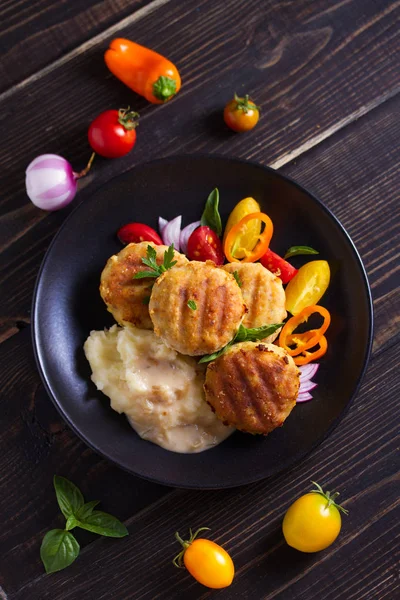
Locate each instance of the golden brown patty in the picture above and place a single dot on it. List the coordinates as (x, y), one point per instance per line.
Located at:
(253, 386)
(214, 321)
(127, 298)
(263, 295)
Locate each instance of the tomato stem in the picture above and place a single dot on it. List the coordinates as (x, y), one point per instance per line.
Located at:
(128, 118)
(245, 104)
(178, 560)
(330, 498)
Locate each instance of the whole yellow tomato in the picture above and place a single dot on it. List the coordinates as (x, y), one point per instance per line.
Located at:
(206, 561)
(308, 286)
(249, 238)
(313, 522)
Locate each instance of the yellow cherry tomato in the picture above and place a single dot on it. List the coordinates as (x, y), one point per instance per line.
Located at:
(313, 522)
(308, 286)
(206, 561)
(249, 238)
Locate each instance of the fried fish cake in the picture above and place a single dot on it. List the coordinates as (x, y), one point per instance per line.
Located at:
(252, 386)
(127, 298)
(196, 308)
(263, 295)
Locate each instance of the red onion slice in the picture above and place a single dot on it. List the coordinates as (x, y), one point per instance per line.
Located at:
(161, 224)
(186, 233)
(304, 397)
(307, 386)
(308, 371)
(171, 232)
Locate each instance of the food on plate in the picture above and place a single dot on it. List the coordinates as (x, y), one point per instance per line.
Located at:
(127, 297)
(235, 241)
(253, 386)
(218, 314)
(144, 71)
(205, 560)
(279, 266)
(113, 133)
(299, 251)
(263, 295)
(307, 372)
(211, 217)
(204, 244)
(302, 346)
(241, 114)
(134, 233)
(308, 286)
(160, 391)
(313, 522)
(251, 230)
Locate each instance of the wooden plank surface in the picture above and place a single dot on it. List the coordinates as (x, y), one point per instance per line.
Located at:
(304, 91)
(327, 76)
(35, 34)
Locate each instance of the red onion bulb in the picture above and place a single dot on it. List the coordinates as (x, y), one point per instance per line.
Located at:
(50, 182)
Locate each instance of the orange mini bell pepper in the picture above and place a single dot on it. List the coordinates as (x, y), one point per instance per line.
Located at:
(305, 357)
(239, 230)
(309, 339)
(143, 70)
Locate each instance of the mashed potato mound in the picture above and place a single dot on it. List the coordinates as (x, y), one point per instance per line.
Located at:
(159, 390)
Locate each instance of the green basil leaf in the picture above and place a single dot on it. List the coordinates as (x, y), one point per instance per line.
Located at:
(69, 497)
(71, 523)
(58, 550)
(299, 250)
(104, 524)
(211, 217)
(256, 333)
(86, 510)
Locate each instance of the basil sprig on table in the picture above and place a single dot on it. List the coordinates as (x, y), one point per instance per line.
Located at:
(244, 335)
(59, 547)
(211, 217)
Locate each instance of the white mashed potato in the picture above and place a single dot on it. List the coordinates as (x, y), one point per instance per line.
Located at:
(159, 390)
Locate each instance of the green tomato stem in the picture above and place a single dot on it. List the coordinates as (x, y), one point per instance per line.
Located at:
(330, 498)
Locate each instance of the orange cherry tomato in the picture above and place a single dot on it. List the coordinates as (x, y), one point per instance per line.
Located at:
(241, 114)
(205, 560)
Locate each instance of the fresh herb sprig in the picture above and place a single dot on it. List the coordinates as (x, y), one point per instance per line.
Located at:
(151, 261)
(237, 278)
(244, 335)
(59, 547)
(192, 304)
(211, 217)
(299, 251)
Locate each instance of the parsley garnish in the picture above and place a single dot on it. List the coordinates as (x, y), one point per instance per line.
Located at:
(244, 335)
(192, 304)
(151, 262)
(236, 276)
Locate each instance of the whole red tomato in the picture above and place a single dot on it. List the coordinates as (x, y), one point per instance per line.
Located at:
(133, 233)
(204, 244)
(112, 134)
(241, 114)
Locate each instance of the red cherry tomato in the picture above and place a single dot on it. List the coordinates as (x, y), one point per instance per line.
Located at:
(204, 244)
(278, 266)
(133, 233)
(112, 134)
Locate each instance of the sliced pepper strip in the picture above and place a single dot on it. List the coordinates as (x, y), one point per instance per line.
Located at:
(309, 339)
(264, 238)
(305, 357)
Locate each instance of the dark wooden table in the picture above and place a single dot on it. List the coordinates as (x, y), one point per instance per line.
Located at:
(326, 73)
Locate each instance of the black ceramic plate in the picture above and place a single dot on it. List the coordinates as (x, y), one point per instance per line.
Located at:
(67, 306)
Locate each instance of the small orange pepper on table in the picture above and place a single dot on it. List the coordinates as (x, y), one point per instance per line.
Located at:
(144, 71)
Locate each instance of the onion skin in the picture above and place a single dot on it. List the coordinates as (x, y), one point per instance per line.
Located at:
(50, 182)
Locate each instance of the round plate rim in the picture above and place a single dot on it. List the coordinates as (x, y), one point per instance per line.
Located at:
(289, 462)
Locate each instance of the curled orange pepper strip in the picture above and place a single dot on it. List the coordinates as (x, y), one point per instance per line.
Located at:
(306, 357)
(264, 238)
(307, 340)
(144, 71)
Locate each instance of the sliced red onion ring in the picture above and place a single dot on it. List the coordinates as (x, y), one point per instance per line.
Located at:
(171, 232)
(304, 397)
(308, 371)
(186, 233)
(161, 224)
(307, 386)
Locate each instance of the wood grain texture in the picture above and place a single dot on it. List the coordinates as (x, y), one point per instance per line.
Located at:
(34, 34)
(247, 522)
(36, 444)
